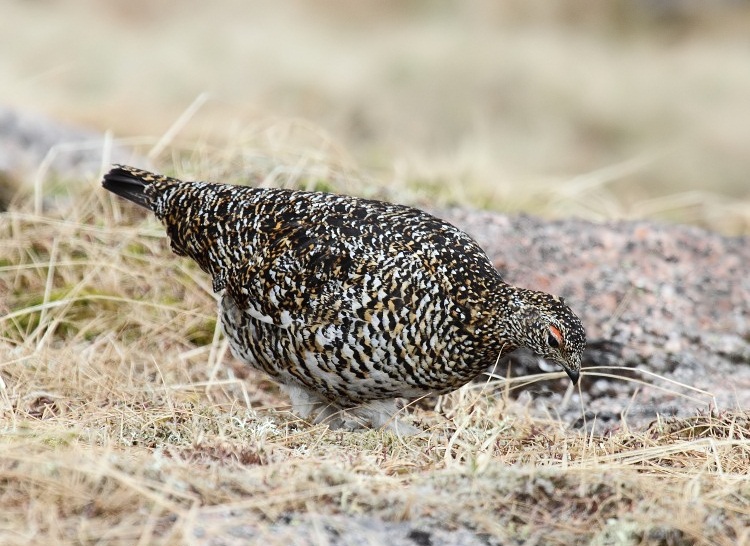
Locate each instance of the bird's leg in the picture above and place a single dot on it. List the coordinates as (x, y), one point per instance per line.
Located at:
(334, 417)
(304, 401)
(382, 414)
(376, 413)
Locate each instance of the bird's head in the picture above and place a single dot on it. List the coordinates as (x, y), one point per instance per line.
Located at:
(548, 327)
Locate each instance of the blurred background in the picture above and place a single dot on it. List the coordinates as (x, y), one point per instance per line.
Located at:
(618, 109)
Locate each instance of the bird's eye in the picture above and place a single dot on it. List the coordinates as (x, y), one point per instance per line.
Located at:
(554, 337)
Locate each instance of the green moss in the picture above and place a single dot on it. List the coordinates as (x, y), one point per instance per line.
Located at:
(322, 184)
(135, 248)
(81, 313)
(202, 333)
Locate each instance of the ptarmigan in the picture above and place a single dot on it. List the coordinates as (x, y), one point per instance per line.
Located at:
(351, 303)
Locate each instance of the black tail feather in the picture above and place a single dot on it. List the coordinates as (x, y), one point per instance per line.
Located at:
(129, 183)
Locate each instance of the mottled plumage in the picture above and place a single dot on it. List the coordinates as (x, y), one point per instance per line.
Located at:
(350, 303)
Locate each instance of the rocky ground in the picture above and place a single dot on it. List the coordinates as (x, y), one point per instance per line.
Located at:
(33, 145)
(671, 300)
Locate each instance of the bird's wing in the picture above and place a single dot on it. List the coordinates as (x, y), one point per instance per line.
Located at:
(309, 276)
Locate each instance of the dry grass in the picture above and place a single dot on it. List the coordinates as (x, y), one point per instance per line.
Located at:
(126, 421)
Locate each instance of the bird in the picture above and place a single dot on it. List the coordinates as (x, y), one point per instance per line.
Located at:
(350, 304)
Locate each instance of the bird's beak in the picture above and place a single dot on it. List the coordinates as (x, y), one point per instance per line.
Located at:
(572, 367)
(573, 374)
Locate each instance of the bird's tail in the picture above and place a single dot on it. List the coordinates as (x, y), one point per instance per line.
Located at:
(131, 183)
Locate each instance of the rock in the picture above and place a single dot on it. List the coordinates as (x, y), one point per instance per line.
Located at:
(33, 145)
(225, 529)
(670, 300)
